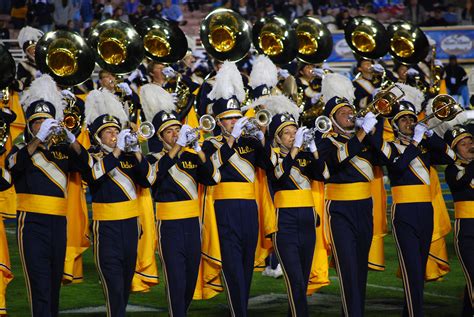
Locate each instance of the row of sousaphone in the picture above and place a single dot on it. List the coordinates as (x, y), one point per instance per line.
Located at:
(119, 47)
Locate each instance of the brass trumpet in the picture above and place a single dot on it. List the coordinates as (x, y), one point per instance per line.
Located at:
(322, 124)
(207, 123)
(145, 131)
(262, 118)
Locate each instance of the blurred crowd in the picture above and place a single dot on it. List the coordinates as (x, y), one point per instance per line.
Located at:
(80, 15)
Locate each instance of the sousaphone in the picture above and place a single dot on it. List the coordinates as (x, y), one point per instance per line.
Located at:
(274, 37)
(117, 46)
(314, 40)
(163, 42)
(225, 35)
(366, 37)
(408, 44)
(65, 56)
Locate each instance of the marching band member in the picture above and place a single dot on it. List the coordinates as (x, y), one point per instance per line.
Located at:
(128, 98)
(117, 170)
(40, 174)
(6, 274)
(27, 70)
(349, 206)
(309, 84)
(409, 158)
(290, 179)
(460, 178)
(175, 177)
(234, 159)
(366, 82)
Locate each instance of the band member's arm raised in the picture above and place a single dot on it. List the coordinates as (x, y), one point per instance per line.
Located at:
(459, 179)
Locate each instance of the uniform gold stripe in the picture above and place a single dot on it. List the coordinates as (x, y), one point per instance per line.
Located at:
(21, 226)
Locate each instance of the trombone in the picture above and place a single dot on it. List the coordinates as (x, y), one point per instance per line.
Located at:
(444, 108)
(383, 103)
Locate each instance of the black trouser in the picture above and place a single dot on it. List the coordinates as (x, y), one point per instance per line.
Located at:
(42, 247)
(464, 246)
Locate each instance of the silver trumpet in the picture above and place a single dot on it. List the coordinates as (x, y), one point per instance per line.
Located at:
(145, 131)
(262, 118)
(322, 124)
(207, 123)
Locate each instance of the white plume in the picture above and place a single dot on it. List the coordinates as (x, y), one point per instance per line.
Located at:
(264, 72)
(228, 83)
(154, 99)
(412, 94)
(277, 104)
(44, 87)
(441, 127)
(99, 102)
(28, 33)
(337, 85)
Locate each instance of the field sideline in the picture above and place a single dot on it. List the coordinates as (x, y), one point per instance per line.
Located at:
(384, 292)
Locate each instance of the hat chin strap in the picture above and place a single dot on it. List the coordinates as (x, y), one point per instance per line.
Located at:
(224, 131)
(400, 135)
(340, 128)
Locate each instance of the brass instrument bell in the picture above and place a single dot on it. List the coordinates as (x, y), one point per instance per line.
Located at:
(163, 42)
(384, 103)
(314, 40)
(366, 37)
(274, 37)
(444, 108)
(408, 44)
(225, 35)
(117, 46)
(65, 56)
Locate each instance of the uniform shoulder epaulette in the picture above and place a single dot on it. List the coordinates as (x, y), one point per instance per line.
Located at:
(329, 134)
(157, 155)
(97, 155)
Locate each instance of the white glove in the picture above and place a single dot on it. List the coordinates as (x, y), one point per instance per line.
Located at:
(126, 88)
(184, 135)
(45, 129)
(299, 137)
(260, 135)
(121, 139)
(412, 72)
(134, 75)
(315, 98)
(437, 62)
(326, 66)
(312, 146)
(283, 73)
(174, 95)
(71, 138)
(429, 133)
(420, 130)
(169, 72)
(136, 147)
(369, 122)
(196, 146)
(318, 72)
(358, 122)
(68, 94)
(238, 127)
(378, 68)
(38, 73)
(375, 92)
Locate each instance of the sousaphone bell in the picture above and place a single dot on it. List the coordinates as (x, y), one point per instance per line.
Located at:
(225, 35)
(274, 37)
(314, 40)
(163, 42)
(117, 46)
(65, 56)
(366, 37)
(408, 44)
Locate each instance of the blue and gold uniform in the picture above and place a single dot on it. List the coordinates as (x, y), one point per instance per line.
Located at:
(6, 274)
(349, 207)
(114, 180)
(175, 191)
(412, 211)
(295, 239)
(460, 178)
(40, 180)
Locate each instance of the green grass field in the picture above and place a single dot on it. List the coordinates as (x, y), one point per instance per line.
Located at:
(384, 292)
